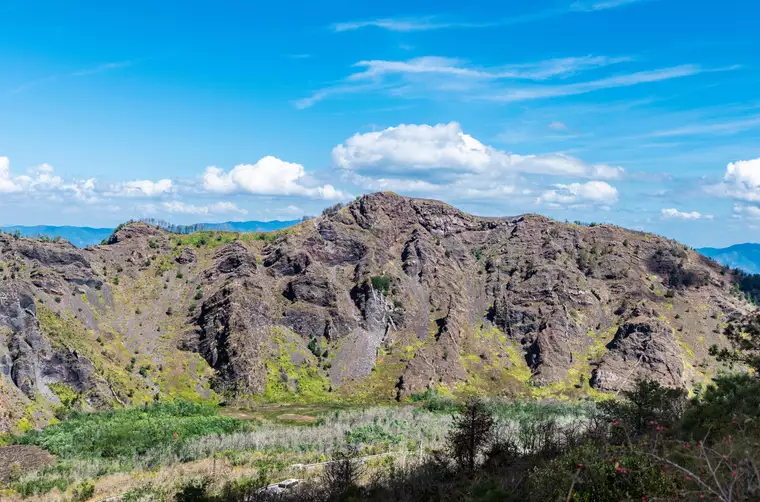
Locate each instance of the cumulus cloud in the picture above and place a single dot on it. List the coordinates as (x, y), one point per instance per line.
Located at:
(444, 149)
(672, 213)
(592, 192)
(7, 184)
(142, 188)
(43, 182)
(741, 181)
(268, 176)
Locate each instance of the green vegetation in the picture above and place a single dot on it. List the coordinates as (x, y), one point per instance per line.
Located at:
(123, 433)
(288, 382)
(748, 285)
(637, 447)
(381, 283)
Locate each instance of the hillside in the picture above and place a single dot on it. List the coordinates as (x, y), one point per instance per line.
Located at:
(378, 301)
(745, 257)
(87, 236)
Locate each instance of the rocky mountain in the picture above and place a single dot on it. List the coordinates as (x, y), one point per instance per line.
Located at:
(383, 299)
(745, 257)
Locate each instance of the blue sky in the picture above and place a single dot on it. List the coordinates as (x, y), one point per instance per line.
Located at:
(642, 113)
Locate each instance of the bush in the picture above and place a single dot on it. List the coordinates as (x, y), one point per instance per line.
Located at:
(596, 473)
(329, 211)
(370, 435)
(342, 473)
(381, 283)
(732, 402)
(123, 433)
(648, 402)
(82, 491)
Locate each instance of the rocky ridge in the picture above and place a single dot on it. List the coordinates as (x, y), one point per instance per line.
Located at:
(383, 299)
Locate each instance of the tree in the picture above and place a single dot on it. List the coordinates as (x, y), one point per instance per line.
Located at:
(344, 471)
(647, 403)
(745, 344)
(471, 433)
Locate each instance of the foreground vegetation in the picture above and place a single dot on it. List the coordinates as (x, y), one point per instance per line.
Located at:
(651, 444)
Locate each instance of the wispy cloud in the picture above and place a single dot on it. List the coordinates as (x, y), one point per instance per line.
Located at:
(428, 23)
(541, 92)
(724, 127)
(100, 69)
(402, 76)
(603, 5)
(79, 73)
(406, 24)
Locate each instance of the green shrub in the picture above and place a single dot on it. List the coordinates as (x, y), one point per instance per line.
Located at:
(720, 409)
(82, 491)
(123, 433)
(602, 474)
(370, 435)
(648, 402)
(381, 283)
(41, 485)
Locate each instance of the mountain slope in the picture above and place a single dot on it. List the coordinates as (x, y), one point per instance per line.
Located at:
(87, 236)
(385, 298)
(742, 256)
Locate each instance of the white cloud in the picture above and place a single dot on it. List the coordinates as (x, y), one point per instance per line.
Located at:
(268, 176)
(41, 181)
(142, 188)
(223, 207)
(749, 212)
(625, 80)
(423, 74)
(672, 213)
(447, 152)
(558, 126)
(429, 23)
(7, 184)
(436, 65)
(602, 5)
(741, 181)
(594, 192)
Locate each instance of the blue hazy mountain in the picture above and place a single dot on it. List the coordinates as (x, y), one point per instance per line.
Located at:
(251, 226)
(743, 256)
(79, 236)
(87, 236)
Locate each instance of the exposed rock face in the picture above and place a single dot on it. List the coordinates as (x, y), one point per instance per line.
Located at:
(642, 348)
(382, 299)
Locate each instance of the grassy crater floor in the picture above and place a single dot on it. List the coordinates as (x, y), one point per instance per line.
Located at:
(146, 453)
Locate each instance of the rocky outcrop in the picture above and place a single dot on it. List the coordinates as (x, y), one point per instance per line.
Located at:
(642, 348)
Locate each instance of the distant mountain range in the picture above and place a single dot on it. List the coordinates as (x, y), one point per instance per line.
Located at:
(743, 256)
(87, 236)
